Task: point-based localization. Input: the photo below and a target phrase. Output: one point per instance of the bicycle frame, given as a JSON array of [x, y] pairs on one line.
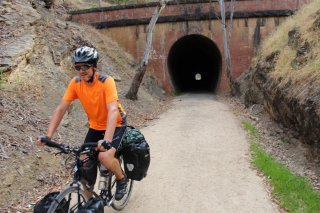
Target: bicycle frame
[[104, 194], [76, 176], [107, 194]]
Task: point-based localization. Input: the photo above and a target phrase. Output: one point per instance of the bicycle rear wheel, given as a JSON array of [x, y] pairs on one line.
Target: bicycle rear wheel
[[68, 200], [119, 204]]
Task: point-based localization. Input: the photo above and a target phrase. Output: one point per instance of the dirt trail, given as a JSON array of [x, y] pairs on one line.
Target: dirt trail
[[199, 163]]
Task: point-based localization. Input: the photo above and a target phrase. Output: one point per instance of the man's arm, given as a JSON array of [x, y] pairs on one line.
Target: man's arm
[[112, 120], [57, 117]]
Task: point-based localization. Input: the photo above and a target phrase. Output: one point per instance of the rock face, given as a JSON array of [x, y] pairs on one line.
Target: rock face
[[17, 33], [48, 3], [300, 115], [36, 45], [295, 105]]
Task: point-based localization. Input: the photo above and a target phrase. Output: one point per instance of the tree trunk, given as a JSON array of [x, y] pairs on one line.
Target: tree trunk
[[226, 42], [133, 91], [136, 82]]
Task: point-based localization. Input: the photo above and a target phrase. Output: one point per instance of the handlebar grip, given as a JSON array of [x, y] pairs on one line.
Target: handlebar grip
[[50, 143], [89, 144]]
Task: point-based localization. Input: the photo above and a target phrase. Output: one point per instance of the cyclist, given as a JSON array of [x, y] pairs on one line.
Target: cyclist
[[107, 119]]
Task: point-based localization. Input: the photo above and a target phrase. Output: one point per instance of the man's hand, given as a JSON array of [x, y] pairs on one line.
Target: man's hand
[[39, 143], [103, 145]]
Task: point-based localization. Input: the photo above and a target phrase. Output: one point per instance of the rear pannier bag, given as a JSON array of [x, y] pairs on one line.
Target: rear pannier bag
[[44, 204], [136, 154]]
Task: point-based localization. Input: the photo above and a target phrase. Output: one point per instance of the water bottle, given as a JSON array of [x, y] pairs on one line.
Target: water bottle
[[104, 178]]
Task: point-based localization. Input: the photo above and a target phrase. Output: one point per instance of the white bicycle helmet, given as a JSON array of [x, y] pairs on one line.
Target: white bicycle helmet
[[86, 55]]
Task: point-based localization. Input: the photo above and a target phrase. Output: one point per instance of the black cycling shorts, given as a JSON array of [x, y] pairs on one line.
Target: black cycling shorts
[[96, 135], [89, 168]]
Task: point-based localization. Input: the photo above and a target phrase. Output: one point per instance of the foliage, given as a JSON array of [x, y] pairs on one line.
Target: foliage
[[2, 75], [297, 65], [293, 192], [85, 4], [128, 1]]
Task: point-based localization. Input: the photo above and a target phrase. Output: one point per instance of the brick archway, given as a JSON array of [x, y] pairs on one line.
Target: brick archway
[[194, 63]]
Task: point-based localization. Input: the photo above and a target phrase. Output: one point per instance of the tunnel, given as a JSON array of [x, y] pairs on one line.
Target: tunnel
[[194, 64]]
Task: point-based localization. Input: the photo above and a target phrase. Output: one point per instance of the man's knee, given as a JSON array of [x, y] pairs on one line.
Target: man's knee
[[106, 157]]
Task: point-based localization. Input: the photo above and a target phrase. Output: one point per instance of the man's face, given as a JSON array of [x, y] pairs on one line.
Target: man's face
[[85, 71]]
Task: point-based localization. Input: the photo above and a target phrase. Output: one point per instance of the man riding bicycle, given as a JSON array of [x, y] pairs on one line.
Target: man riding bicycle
[[107, 120]]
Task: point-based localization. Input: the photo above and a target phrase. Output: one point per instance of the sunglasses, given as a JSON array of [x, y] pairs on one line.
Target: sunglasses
[[84, 67]]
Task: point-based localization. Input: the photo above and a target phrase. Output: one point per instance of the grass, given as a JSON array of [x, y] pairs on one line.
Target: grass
[[284, 69], [86, 4], [2, 76], [303, 19], [294, 193]]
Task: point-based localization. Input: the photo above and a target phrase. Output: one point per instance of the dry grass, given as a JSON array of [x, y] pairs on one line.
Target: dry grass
[[302, 18], [86, 4], [286, 71]]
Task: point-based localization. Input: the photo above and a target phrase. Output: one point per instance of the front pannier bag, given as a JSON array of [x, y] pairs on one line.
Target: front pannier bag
[[94, 205], [44, 204], [136, 154]]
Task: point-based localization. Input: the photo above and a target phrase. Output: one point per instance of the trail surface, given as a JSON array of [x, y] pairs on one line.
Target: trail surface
[[199, 163]]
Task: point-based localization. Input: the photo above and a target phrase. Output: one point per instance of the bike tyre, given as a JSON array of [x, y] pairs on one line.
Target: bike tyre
[[64, 194], [119, 205]]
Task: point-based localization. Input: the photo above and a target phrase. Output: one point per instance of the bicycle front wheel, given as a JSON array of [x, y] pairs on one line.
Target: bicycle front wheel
[[69, 200]]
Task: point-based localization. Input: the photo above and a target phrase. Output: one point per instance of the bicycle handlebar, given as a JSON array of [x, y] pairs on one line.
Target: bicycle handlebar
[[51, 143], [89, 144], [67, 149]]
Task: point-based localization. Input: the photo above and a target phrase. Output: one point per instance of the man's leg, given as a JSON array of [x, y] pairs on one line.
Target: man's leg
[[108, 160], [89, 171], [88, 175]]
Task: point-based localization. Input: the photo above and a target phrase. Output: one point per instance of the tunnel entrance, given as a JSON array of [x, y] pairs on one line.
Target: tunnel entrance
[[194, 63]]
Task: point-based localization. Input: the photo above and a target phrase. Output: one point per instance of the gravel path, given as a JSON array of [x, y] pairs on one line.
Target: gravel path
[[199, 163]]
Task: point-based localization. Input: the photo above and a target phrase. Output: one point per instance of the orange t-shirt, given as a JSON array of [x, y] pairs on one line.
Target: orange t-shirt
[[94, 99]]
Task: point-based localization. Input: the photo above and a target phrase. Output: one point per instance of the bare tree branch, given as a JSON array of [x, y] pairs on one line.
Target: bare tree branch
[[136, 82], [226, 43]]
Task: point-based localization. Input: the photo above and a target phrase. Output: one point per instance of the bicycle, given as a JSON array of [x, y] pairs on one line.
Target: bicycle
[[73, 197]]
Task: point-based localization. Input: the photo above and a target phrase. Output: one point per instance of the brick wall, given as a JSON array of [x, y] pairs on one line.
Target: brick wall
[[243, 41]]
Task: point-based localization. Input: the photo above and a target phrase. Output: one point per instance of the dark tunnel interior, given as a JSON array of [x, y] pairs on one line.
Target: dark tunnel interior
[[194, 63]]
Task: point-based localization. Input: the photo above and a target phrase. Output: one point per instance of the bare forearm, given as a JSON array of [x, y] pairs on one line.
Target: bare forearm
[[54, 123], [55, 120], [111, 125]]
